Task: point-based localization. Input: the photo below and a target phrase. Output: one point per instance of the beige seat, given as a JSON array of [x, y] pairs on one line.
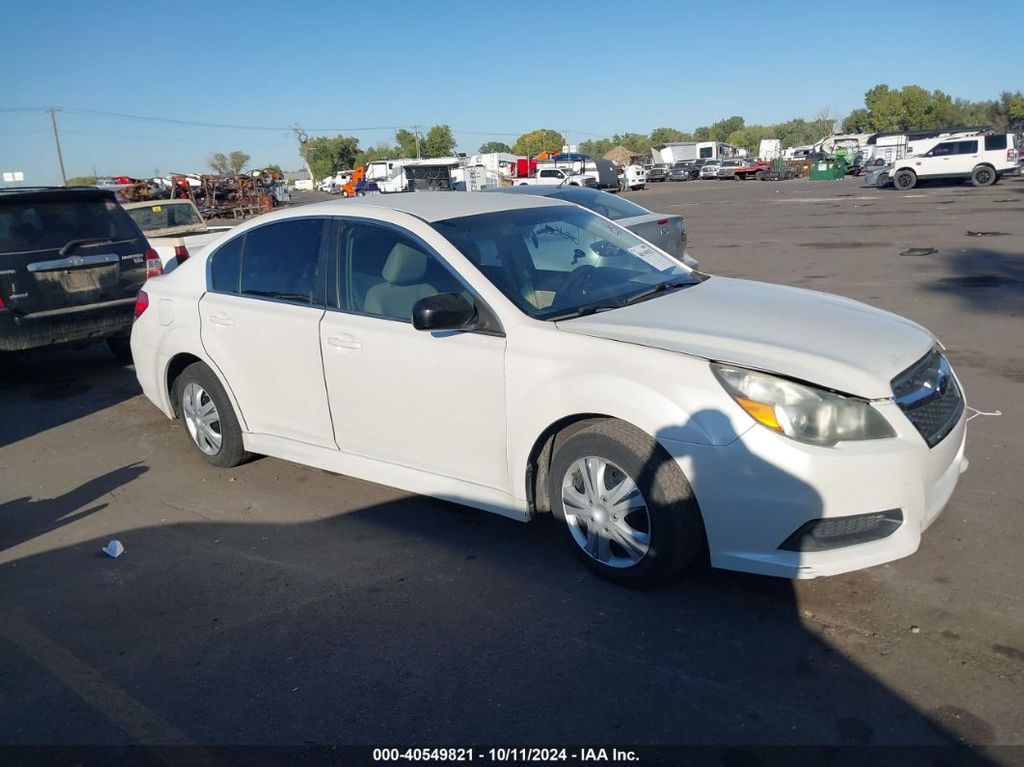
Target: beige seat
[[404, 284]]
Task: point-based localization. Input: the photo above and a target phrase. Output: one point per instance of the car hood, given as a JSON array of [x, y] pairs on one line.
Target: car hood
[[819, 338]]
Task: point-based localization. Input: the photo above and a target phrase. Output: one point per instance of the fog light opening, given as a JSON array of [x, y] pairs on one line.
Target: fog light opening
[[835, 532]]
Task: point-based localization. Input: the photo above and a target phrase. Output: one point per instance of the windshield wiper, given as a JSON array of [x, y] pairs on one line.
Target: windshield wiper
[[71, 245], [654, 290], [582, 311]]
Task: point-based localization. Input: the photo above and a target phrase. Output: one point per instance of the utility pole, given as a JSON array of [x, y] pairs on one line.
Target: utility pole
[[56, 140], [417, 129]]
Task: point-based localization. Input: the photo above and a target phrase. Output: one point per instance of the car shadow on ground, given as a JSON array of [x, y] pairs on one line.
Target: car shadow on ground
[[984, 280], [422, 622], [44, 388]]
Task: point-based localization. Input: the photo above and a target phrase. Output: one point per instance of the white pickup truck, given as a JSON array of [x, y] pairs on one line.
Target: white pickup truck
[[555, 177], [174, 228]]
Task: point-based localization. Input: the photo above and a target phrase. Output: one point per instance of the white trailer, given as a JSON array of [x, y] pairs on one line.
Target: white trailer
[[769, 149], [685, 151]]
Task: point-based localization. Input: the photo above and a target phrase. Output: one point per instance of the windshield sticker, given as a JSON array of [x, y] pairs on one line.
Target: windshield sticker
[[649, 255], [157, 208]]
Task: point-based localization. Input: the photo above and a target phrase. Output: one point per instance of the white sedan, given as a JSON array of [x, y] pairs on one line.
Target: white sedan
[[523, 355]]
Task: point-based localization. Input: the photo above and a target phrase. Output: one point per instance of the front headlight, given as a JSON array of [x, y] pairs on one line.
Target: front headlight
[[804, 413]]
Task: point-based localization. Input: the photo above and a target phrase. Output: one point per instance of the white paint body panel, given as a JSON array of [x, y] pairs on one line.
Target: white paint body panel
[[456, 415]]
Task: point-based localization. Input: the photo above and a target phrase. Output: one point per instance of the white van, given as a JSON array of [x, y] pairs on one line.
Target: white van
[[982, 159]]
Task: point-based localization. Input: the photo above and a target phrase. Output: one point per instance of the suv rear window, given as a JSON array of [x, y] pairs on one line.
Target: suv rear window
[[158, 216], [995, 142], [33, 226]]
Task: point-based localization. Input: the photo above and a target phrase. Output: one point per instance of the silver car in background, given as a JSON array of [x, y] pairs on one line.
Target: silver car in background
[[664, 230]]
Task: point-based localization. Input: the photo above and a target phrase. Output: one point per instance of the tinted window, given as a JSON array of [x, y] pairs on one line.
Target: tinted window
[[706, 151], [51, 225], [282, 261], [995, 142], [941, 150], [550, 174], [384, 272], [966, 147], [225, 266], [608, 205]]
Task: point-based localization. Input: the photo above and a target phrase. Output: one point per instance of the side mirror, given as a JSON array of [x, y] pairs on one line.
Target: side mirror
[[445, 311]]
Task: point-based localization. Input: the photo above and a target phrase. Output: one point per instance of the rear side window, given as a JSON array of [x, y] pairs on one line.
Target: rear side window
[[995, 142], [226, 266], [282, 261], [966, 147], [50, 225]]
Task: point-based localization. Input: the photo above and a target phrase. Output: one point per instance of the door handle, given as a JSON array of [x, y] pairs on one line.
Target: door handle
[[222, 320], [344, 342]]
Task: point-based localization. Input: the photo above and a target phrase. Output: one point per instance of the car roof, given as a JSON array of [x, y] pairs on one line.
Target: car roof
[[151, 203], [55, 194], [429, 206]]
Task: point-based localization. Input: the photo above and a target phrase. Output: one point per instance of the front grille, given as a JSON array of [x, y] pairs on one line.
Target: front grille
[[928, 394]]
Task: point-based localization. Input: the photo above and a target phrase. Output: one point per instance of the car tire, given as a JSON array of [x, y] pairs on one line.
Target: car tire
[[759, 175], [904, 179], [882, 180], [661, 523], [218, 438], [121, 347], [983, 175]]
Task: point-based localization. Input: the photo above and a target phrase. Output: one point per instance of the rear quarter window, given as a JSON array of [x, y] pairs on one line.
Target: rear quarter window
[[226, 266], [995, 142]]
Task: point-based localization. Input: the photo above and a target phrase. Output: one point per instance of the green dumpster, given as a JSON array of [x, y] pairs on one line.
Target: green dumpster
[[828, 169]]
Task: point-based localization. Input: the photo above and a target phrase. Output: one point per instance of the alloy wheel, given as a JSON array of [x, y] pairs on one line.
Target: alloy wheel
[[201, 418]]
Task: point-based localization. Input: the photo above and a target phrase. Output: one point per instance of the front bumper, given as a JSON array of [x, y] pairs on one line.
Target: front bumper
[[65, 326], [755, 492]]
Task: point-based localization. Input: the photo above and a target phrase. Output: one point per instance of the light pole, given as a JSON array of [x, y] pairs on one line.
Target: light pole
[[56, 140]]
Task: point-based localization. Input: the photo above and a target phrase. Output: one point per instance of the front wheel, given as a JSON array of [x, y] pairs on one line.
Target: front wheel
[[629, 512], [983, 175], [209, 418], [905, 179]]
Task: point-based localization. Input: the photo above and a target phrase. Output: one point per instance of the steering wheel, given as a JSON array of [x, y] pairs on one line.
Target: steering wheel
[[575, 284]]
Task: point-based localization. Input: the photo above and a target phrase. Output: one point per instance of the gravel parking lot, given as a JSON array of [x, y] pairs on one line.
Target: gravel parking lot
[[278, 604]]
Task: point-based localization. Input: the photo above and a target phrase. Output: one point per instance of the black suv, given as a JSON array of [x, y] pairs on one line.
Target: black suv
[[71, 265]]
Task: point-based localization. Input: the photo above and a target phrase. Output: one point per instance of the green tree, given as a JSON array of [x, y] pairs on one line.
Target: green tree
[[218, 162], [237, 160], [668, 135], [596, 147], [82, 181], [721, 130], [328, 154], [274, 167], [375, 153], [405, 140], [439, 142], [494, 146], [537, 141], [858, 121]]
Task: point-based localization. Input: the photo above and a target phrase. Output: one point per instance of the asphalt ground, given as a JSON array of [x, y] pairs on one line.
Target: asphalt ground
[[276, 604]]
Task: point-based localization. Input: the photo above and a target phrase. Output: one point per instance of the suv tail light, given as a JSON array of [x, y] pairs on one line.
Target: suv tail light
[[1011, 155], [2, 306], [181, 254], [141, 303], [154, 268]]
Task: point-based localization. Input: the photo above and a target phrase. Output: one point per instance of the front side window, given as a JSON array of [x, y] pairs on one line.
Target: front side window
[[384, 272], [282, 261], [942, 150], [550, 174], [555, 262]]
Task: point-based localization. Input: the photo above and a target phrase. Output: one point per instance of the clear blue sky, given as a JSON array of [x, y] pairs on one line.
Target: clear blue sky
[[488, 69]]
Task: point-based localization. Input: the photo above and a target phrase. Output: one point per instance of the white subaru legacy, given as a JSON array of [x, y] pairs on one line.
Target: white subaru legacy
[[524, 355]]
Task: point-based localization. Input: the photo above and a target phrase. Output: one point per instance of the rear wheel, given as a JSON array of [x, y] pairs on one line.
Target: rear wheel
[[629, 512], [905, 179], [208, 416], [983, 175]]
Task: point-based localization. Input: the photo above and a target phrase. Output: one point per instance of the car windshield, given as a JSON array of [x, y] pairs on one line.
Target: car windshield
[[556, 262], [608, 205], [152, 218]]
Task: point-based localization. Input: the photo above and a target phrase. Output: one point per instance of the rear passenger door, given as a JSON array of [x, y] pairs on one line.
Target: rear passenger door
[[260, 326], [966, 157]]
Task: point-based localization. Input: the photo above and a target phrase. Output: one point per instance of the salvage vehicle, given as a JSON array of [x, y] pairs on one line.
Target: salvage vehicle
[[983, 159], [656, 172], [663, 230], [709, 170], [633, 178], [174, 228], [523, 355], [727, 170], [753, 169], [71, 264]]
